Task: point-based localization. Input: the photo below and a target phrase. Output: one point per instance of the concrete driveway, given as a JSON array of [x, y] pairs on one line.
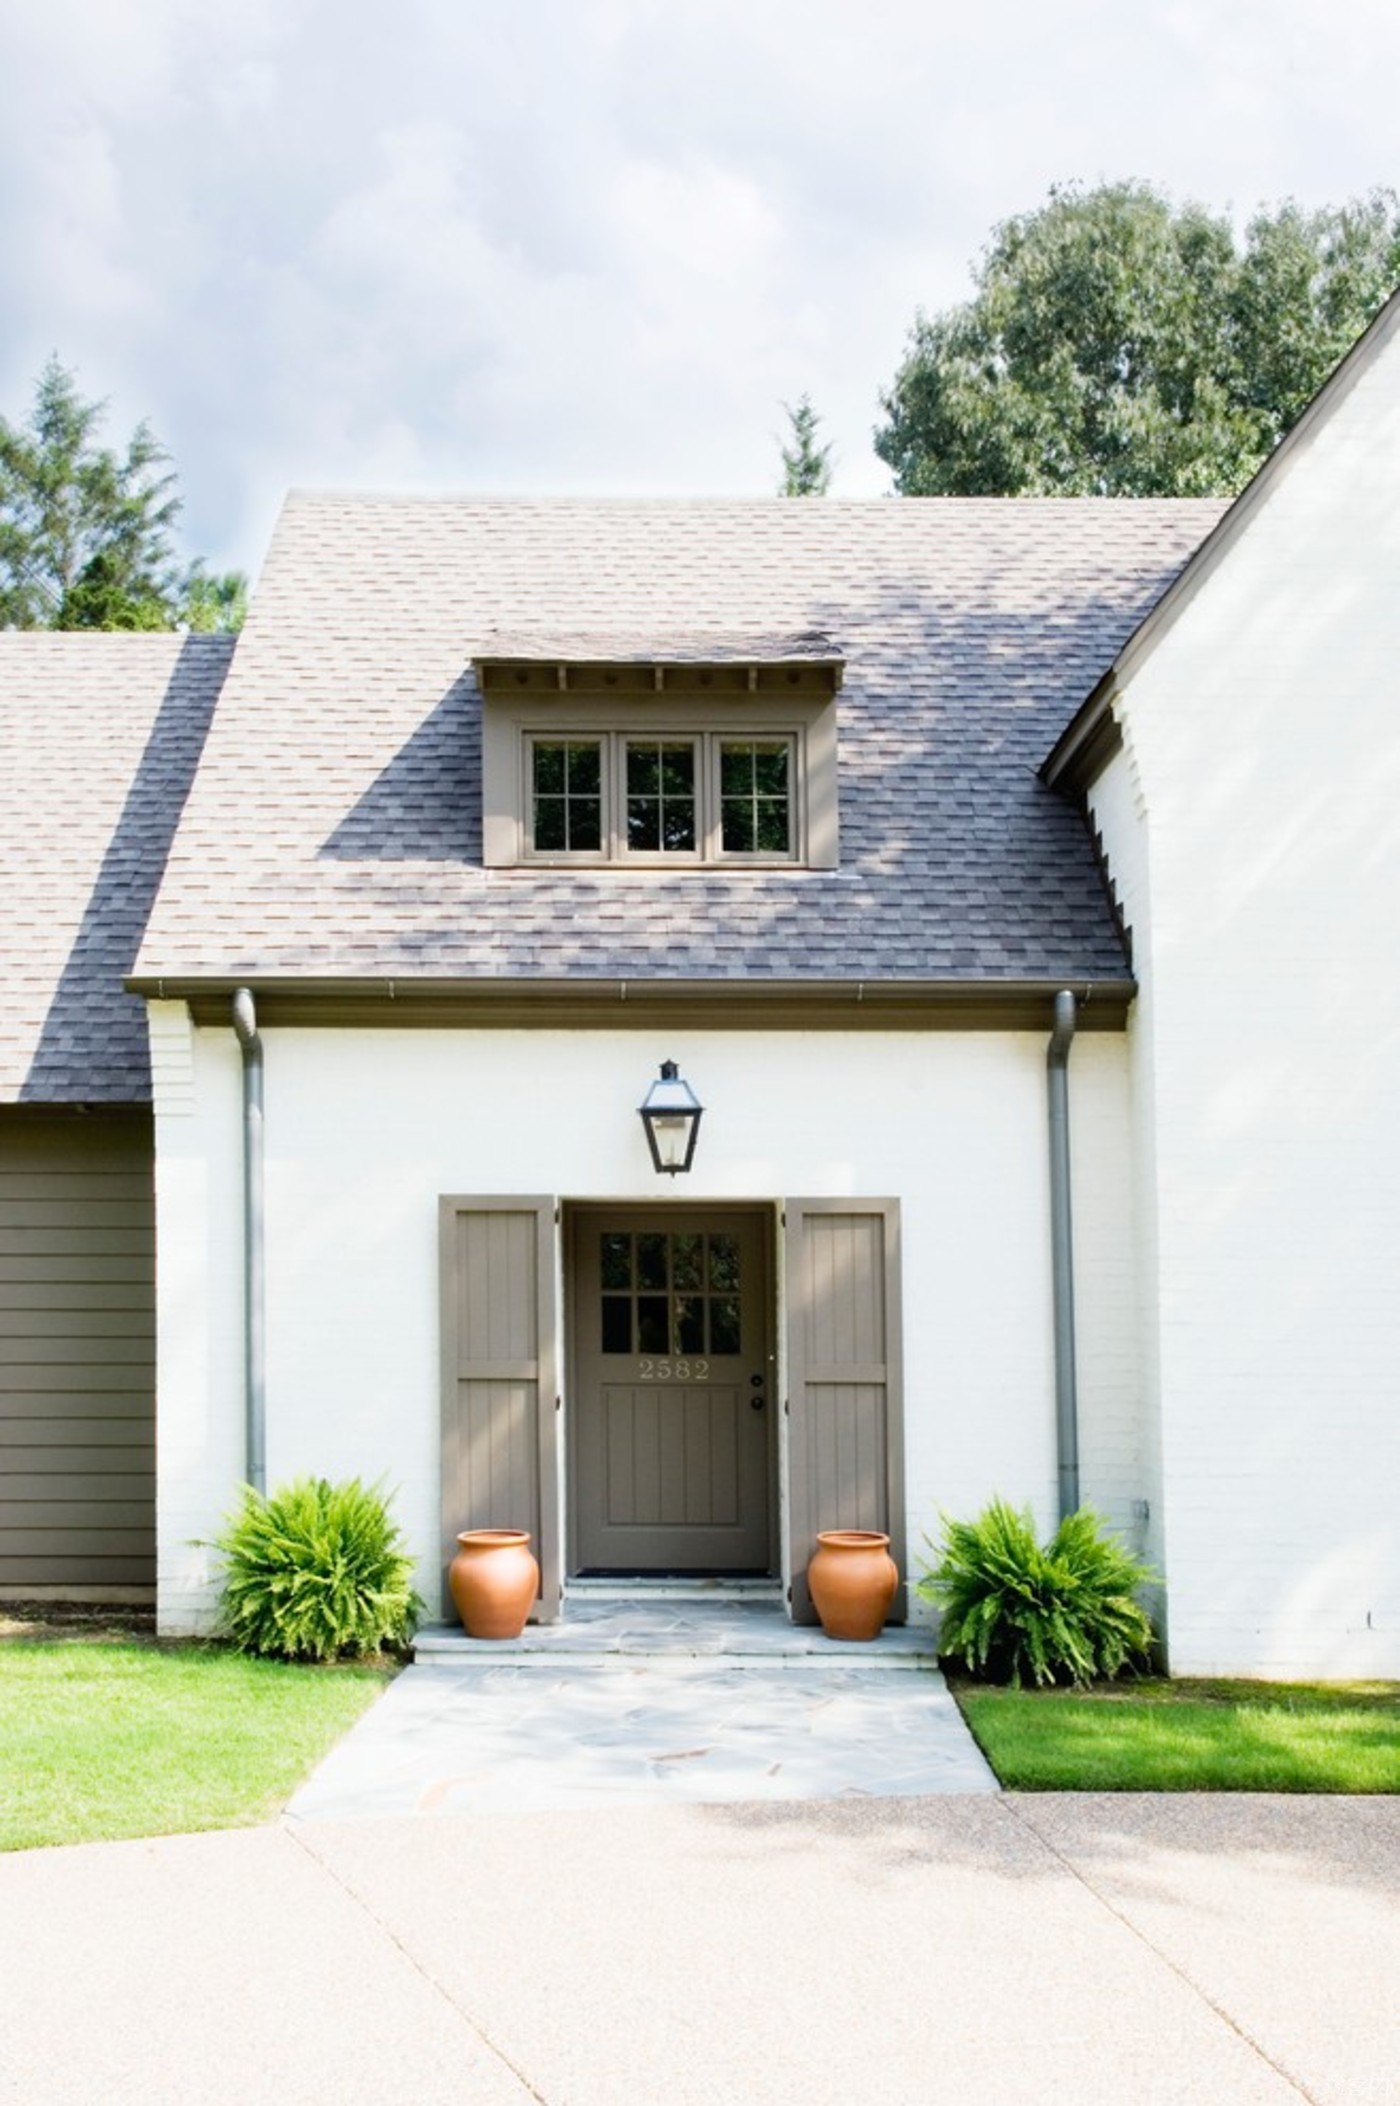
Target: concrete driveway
[[987, 1950]]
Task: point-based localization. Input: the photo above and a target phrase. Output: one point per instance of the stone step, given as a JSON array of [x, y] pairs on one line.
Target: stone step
[[678, 1633]]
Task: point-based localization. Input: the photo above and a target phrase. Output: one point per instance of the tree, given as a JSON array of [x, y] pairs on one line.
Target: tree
[[1119, 345], [86, 535], [806, 466]]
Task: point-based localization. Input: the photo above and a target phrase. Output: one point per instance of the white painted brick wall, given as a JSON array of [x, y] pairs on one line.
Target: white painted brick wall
[[365, 1129], [1264, 734]]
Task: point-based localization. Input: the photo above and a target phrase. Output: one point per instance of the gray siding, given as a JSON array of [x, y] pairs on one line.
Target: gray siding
[[77, 1353]]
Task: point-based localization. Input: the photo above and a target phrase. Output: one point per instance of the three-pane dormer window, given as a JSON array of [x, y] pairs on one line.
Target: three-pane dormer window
[[723, 756], [610, 797]]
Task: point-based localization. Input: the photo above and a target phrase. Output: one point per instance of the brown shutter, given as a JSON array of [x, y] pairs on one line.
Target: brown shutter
[[500, 1392], [845, 1404]]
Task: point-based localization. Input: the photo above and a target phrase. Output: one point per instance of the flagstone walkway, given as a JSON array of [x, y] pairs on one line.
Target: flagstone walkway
[[669, 1701]]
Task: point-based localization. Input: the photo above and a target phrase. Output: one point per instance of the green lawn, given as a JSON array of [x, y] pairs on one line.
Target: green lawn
[[1189, 1735], [115, 1737]]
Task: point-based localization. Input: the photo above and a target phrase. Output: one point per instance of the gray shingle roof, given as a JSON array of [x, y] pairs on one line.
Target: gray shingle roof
[[334, 827], [100, 739]]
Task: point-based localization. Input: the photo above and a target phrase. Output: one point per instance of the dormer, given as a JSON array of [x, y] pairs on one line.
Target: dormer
[[708, 751]]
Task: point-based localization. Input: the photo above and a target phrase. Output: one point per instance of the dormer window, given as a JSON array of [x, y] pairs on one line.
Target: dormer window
[[612, 797], [690, 762]]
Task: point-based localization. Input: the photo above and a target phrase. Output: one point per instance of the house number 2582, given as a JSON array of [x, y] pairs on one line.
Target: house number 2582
[[673, 1370]]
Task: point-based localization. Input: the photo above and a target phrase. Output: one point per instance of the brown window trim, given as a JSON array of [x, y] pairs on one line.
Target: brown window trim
[[805, 715]]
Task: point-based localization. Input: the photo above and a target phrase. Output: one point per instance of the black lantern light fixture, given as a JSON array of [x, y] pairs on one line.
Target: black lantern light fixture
[[671, 1113]]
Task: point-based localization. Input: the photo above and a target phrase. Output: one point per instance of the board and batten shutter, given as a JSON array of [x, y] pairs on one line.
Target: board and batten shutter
[[845, 1400], [500, 1387]]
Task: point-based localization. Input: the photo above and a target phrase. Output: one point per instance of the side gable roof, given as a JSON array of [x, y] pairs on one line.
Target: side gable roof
[[1091, 737], [333, 833], [101, 735]]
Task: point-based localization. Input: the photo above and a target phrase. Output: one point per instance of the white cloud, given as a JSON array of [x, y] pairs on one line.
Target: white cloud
[[588, 244]]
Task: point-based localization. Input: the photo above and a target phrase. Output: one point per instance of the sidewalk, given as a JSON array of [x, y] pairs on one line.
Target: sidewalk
[[987, 1950]]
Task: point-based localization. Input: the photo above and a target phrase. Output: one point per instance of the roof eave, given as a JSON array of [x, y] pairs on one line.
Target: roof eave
[[511, 1001]]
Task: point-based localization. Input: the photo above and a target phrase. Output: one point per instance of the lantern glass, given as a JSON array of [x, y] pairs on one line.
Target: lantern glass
[[671, 1114]]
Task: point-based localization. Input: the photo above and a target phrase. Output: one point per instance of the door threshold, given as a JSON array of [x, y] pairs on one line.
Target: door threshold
[[643, 1586]]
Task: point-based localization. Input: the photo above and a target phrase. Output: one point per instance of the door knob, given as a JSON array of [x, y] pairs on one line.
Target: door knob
[[756, 1403]]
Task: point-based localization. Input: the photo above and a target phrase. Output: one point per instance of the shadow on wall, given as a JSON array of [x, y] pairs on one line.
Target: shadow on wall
[[93, 1026]]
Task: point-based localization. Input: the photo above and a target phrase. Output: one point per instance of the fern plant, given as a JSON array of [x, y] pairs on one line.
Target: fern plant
[[315, 1571], [1015, 1610]]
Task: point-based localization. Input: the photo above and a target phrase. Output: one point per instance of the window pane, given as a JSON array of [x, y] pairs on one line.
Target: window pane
[[617, 1323], [585, 769], [585, 827], [678, 828], [549, 771], [651, 1261], [551, 831], [755, 798], [736, 770], [660, 797], [724, 1324], [677, 771], [685, 1261], [617, 1261], [653, 1331], [772, 829], [643, 771], [770, 771], [724, 1263], [690, 1324], [567, 796]]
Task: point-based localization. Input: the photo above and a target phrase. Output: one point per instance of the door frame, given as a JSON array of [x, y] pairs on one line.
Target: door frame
[[665, 1214]]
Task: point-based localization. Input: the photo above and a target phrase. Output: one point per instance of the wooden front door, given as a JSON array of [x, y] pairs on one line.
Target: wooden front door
[[671, 1398]]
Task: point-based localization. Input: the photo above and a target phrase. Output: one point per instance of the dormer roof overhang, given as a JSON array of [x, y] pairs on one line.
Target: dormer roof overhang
[[591, 658]]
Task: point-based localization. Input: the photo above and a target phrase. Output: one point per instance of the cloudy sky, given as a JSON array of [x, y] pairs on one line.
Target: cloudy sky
[[590, 245]]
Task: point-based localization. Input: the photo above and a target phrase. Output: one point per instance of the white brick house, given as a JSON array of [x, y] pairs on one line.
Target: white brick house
[[1246, 799], [502, 804]]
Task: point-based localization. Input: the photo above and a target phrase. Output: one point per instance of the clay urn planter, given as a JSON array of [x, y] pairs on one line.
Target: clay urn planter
[[852, 1577], [494, 1581]]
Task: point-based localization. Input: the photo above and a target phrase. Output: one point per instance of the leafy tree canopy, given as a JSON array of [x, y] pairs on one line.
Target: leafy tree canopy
[[806, 466], [1120, 345], [87, 534]]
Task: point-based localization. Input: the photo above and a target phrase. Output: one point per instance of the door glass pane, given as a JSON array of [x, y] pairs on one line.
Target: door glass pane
[[690, 1324], [651, 1261], [724, 1264], [686, 1261], [670, 1295], [724, 1323], [617, 1323], [653, 1326], [616, 1259]]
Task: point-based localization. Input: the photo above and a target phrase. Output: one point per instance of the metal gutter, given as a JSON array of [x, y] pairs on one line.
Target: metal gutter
[[1062, 1254], [498, 1000], [245, 1024]]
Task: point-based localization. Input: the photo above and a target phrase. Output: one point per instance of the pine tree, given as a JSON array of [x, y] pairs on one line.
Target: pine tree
[[806, 466]]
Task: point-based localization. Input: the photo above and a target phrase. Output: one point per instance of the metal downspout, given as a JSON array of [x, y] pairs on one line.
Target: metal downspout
[[1062, 1254], [245, 1024]]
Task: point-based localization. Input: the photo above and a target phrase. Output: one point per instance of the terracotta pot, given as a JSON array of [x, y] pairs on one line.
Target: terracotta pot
[[494, 1581], [852, 1577]]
